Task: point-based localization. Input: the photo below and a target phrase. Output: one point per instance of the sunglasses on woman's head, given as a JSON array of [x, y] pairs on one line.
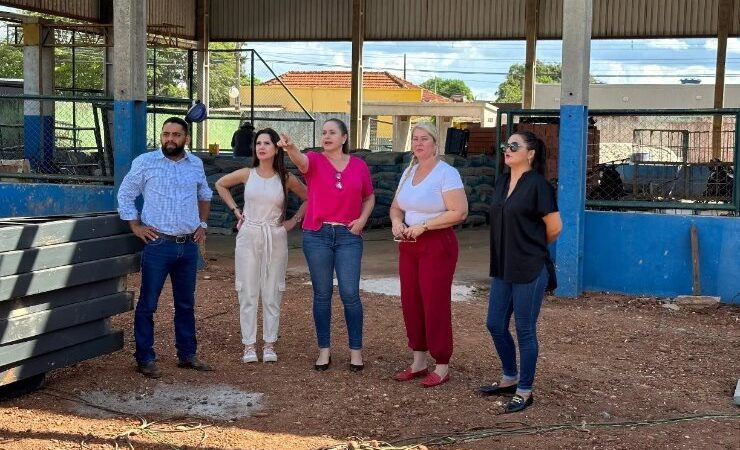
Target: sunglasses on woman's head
[[513, 146], [338, 184]]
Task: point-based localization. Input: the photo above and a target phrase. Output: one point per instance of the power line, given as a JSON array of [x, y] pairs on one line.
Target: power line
[[476, 72]]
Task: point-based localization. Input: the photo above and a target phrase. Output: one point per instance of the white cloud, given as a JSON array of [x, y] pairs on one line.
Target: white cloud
[[733, 45], [668, 44], [653, 73]]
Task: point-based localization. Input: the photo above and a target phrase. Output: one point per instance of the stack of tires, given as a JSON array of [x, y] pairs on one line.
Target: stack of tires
[[293, 201], [478, 174], [385, 169], [221, 219]]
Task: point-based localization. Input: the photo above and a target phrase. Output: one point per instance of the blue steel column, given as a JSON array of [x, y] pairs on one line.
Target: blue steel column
[[577, 18], [38, 79], [129, 72]]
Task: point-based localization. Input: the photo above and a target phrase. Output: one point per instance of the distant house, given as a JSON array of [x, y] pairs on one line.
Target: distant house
[[329, 92]]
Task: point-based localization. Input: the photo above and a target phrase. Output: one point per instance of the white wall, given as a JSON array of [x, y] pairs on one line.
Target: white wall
[[641, 96]]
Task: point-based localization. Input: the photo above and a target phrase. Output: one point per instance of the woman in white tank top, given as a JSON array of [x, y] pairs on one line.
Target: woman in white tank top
[[261, 254]]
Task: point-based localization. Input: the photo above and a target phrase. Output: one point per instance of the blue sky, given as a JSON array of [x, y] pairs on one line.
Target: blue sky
[[483, 65]]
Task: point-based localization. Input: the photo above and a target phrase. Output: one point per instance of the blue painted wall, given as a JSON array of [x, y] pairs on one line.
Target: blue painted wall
[[650, 254], [38, 142], [31, 199]]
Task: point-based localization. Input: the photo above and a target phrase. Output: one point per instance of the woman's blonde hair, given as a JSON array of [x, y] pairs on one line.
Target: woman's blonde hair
[[431, 130]]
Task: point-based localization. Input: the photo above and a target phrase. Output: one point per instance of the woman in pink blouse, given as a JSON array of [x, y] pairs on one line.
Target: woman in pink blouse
[[340, 200]]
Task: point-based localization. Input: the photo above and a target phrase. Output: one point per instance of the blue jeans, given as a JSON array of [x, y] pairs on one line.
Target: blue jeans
[[159, 259], [335, 248], [524, 300]]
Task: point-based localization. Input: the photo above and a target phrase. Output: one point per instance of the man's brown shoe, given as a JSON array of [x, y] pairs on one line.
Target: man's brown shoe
[[149, 370], [195, 364]]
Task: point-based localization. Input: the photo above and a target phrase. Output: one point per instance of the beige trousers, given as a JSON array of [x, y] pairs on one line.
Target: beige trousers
[[261, 259]]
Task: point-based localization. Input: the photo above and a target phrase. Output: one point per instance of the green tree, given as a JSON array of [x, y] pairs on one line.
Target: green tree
[[223, 73], [89, 68], [510, 90], [11, 61], [448, 87]]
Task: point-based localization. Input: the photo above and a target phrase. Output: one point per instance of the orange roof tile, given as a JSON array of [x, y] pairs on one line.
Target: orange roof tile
[[343, 79]]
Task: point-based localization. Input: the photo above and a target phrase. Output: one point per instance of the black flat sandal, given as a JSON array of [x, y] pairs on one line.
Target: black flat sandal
[[496, 389], [322, 367], [518, 403]]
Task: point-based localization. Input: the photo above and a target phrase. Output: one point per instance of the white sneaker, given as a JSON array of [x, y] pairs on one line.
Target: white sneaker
[[250, 355], [269, 355]]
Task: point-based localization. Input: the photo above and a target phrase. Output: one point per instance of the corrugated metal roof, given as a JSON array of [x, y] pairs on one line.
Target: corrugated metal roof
[[315, 20], [172, 17], [260, 20], [280, 20], [76, 9]]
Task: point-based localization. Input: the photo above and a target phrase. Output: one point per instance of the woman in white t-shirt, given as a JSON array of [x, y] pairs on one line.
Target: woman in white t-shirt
[[430, 200]]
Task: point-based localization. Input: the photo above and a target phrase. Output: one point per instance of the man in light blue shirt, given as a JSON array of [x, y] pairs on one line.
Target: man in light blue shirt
[[173, 221]]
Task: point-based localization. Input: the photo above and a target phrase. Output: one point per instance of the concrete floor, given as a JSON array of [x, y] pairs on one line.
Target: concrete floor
[[380, 258]]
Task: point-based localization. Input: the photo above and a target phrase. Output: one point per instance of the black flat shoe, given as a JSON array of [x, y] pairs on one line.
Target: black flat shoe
[[496, 389], [356, 367], [518, 403], [322, 367]]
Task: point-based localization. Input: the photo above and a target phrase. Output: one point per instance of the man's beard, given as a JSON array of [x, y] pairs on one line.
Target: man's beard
[[176, 151]]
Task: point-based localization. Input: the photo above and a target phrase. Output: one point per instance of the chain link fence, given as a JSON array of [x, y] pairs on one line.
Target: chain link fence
[[58, 139], [664, 161]]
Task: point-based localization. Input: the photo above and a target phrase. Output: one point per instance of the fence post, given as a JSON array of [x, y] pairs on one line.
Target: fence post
[[736, 169]]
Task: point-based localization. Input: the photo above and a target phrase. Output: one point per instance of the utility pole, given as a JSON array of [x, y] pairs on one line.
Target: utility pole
[[404, 66], [239, 76]]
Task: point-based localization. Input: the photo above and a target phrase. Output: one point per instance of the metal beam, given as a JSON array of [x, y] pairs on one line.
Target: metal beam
[[532, 13], [53, 341], [62, 358], [62, 297], [724, 21], [358, 40], [16, 286], [40, 258], [22, 233], [39, 323]]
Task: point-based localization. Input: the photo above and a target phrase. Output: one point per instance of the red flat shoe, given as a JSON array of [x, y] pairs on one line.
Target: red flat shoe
[[407, 374], [434, 380]]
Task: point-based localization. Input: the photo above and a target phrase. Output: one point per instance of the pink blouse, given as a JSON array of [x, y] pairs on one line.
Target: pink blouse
[[326, 201]]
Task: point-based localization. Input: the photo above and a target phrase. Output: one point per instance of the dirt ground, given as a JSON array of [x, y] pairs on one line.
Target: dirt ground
[[603, 359]]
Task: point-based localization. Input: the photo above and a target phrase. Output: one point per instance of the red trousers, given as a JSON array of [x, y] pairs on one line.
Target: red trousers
[[426, 268]]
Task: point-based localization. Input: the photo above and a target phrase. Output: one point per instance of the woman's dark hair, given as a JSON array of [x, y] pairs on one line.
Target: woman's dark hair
[[345, 131], [278, 163], [536, 144]]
